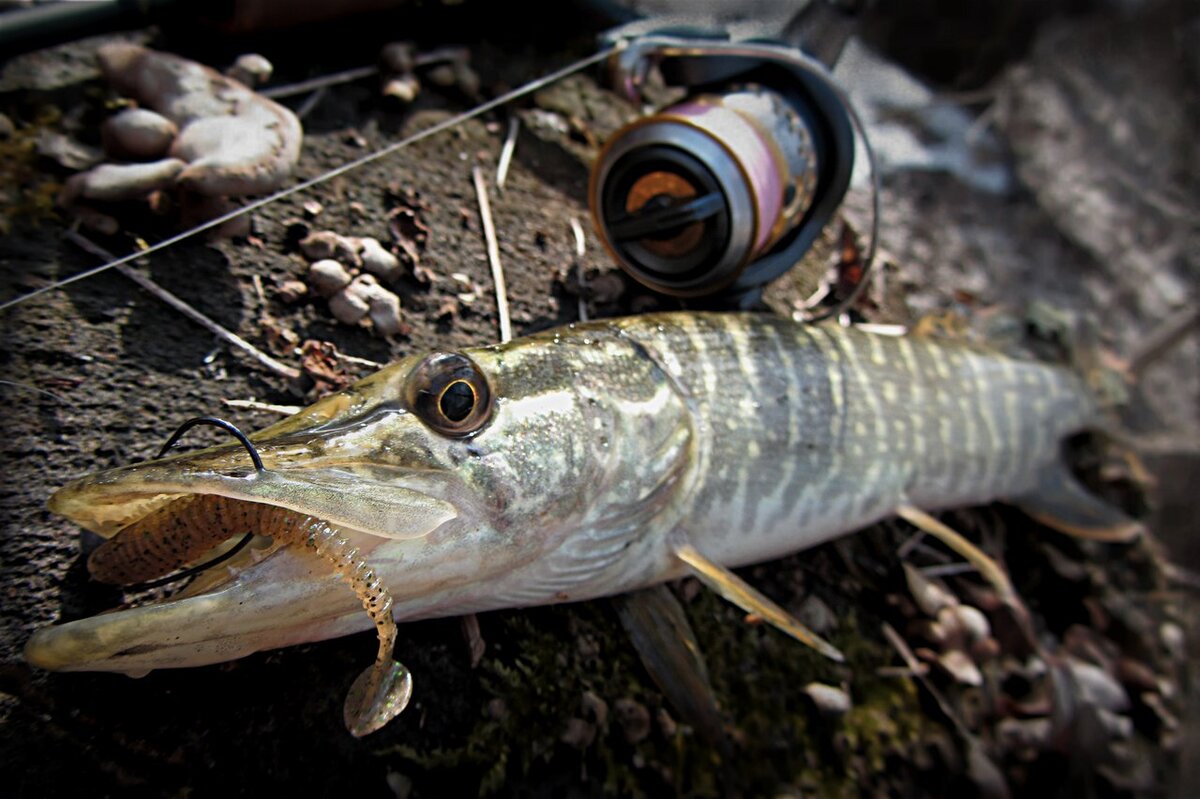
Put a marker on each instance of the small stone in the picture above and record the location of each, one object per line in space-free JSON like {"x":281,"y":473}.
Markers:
{"x":634,"y":719}
{"x":666,"y":723}
{"x":385,"y":311}
{"x":251,"y":69}
{"x":579,"y":734}
{"x":7,"y":128}
{"x":467,"y":79}
{"x":1172,"y":637}
{"x":349,"y":306}
{"x":327,"y":277}
{"x":972,"y":622}
{"x":959,"y":666}
{"x":377,"y":260}
{"x":1096,"y":686}
{"x":313,"y":209}
{"x":592,"y":705}
{"x":829,"y":700}
{"x":400,"y":785}
{"x":327,"y":244}
{"x":816,"y":615}
{"x":117,"y":182}
{"x":441,"y":76}
{"x":292,"y":291}
{"x":404,"y":88}
{"x":137,"y":134}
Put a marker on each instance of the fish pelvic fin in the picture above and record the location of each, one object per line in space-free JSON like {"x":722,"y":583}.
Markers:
{"x":667,"y":646}
{"x":737,"y":591}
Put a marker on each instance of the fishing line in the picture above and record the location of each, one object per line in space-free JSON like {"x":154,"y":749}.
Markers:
{"x":845,"y":303}
{"x":483,"y":108}
{"x":244,"y":440}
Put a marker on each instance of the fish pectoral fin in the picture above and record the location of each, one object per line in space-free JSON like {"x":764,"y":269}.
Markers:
{"x":736,"y":590}
{"x":984,"y":563}
{"x":667,"y":645}
{"x":1060,"y":502}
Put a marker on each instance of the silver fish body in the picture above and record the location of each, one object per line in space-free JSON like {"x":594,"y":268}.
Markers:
{"x":751,"y":435}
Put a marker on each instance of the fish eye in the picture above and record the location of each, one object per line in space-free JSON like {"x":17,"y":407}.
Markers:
{"x":450,"y":394}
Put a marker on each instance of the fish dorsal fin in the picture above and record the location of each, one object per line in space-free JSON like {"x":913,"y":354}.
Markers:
{"x":736,"y":590}
{"x":1060,"y":502}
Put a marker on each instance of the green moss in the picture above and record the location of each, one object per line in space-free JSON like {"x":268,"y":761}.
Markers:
{"x":538,"y":669}
{"x":30,"y":193}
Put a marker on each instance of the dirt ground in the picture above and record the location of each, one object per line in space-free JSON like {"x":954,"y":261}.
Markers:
{"x":98,"y":374}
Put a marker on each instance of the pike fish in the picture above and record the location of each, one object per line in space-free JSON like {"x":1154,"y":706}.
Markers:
{"x":575,"y":463}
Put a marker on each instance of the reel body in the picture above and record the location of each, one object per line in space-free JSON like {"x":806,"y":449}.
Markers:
{"x":726,"y":190}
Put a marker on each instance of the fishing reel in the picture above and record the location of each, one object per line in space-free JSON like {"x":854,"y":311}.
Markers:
{"x":726,"y":190}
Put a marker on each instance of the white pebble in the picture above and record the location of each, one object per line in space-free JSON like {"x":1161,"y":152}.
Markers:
{"x":377,"y":260}
{"x":350,"y":305}
{"x":251,"y":70}
{"x":138,"y":134}
{"x":327,"y":277}
{"x":327,"y":244}
{"x":385,"y":311}
{"x":828,"y":699}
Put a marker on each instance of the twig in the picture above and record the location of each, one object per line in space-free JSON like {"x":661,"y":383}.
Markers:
{"x":506,"y":152}
{"x":1161,"y":339}
{"x":948,"y":569}
{"x":255,"y":405}
{"x":580,"y":249}
{"x":919,"y":672}
{"x":258,"y":291}
{"x":319,"y":82}
{"x":356,"y":361}
{"x":191,"y":313}
{"x":310,"y":103}
{"x":881,"y":329}
{"x":358,"y":73}
{"x":493,"y":251}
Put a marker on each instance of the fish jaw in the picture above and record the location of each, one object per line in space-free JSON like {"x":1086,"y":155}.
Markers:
{"x":283,"y":599}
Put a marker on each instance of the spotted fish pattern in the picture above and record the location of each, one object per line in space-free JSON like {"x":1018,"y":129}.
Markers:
{"x":807,"y":431}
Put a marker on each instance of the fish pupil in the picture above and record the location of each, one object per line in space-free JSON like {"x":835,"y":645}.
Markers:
{"x":457,"y":401}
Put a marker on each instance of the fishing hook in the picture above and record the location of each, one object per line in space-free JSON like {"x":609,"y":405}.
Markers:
{"x":232,"y":429}
{"x":228,"y":427}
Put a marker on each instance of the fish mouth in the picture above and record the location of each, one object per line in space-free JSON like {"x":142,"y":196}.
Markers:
{"x":265,"y":596}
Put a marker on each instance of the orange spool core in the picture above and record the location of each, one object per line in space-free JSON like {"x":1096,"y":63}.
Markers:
{"x":665,"y":188}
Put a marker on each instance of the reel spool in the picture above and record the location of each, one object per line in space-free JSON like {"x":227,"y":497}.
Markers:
{"x":727,"y":190}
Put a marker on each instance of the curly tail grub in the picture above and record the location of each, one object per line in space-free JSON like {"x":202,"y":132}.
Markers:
{"x":183,"y":530}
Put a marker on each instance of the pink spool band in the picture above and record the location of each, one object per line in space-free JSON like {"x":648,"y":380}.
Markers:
{"x":750,"y":150}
